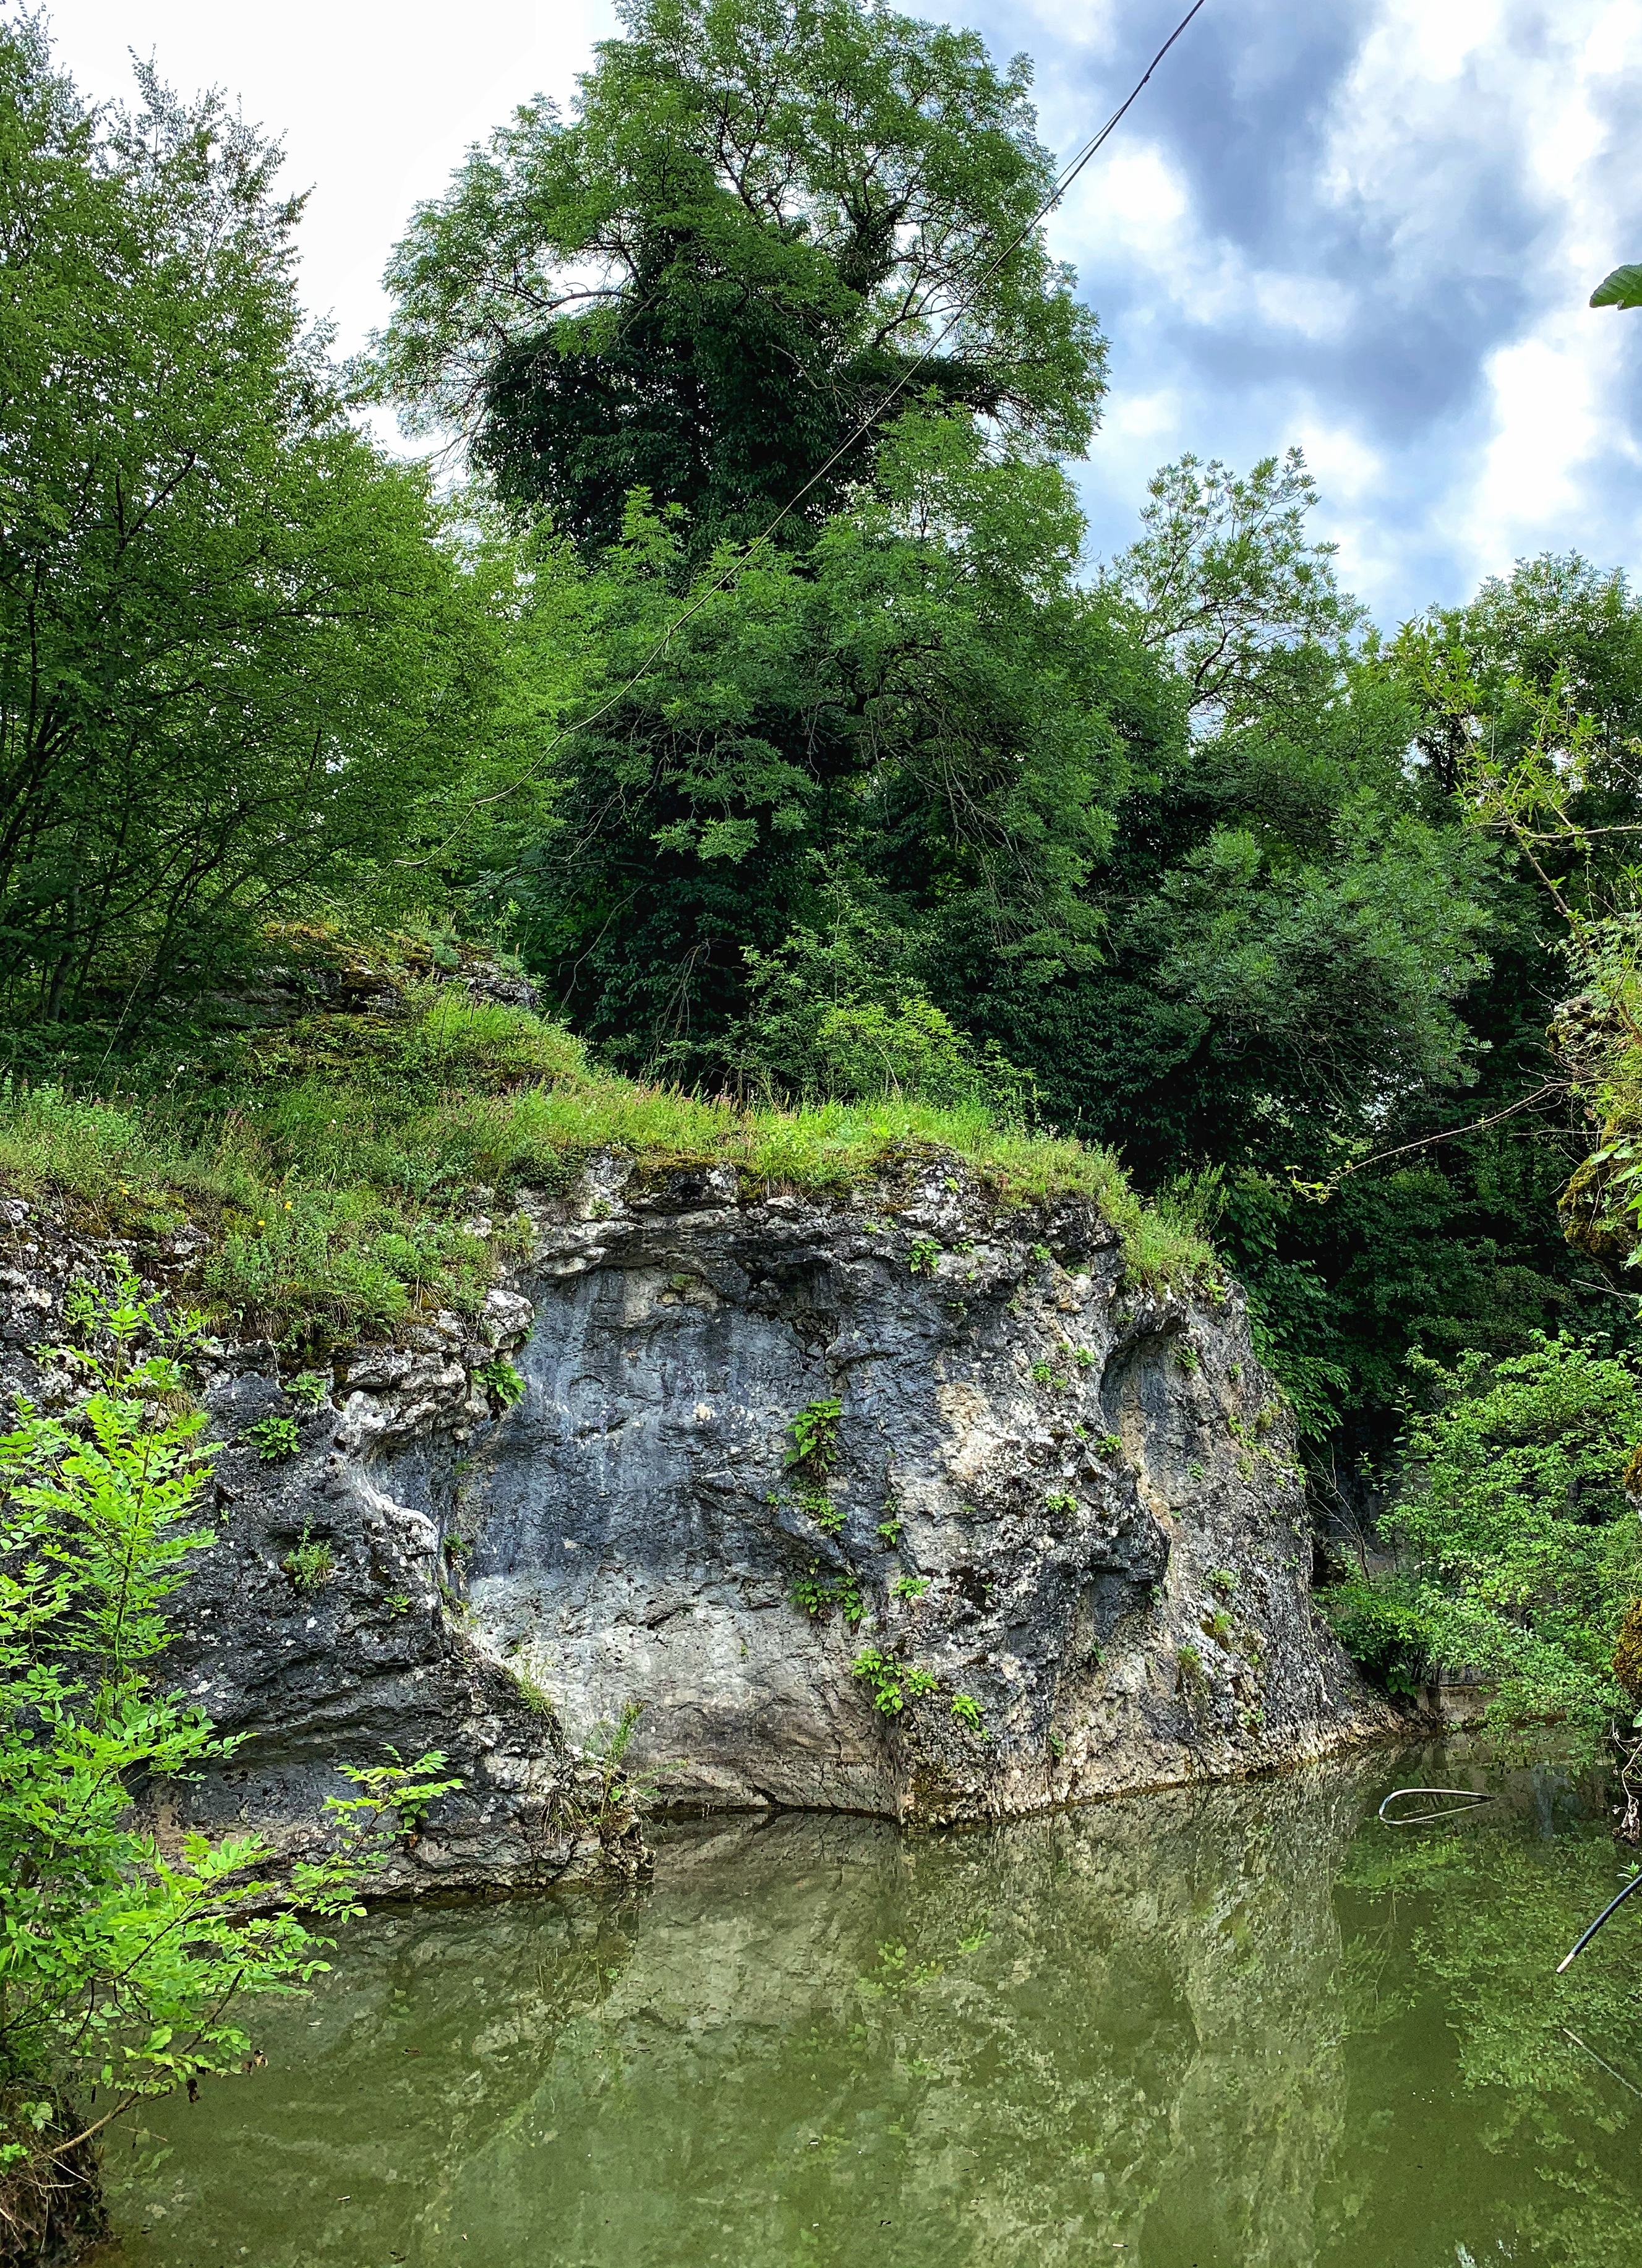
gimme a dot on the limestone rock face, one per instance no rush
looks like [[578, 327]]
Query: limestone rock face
[[1065, 1504]]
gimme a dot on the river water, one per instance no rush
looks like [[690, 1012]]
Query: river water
[[1202, 2030]]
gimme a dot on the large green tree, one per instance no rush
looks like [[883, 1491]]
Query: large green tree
[[232, 651], [762, 214]]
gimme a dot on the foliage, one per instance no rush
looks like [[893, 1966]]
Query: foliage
[[311, 1387], [310, 1563], [273, 1439], [891, 1682], [122, 1961], [806, 792], [1227, 579], [1621, 288], [817, 1594], [501, 1381], [1517, 1554], [232, 651], [814, 1433], [967, 1711], [762, 213]]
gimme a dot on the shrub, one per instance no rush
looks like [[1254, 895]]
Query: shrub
[[124, 1969], [1517, 1554]]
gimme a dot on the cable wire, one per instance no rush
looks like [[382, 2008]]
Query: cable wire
[[1063, 180]]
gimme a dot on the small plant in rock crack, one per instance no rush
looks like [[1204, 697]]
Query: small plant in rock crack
[[1040, 1252], [1084, 1358], [458, 1550], [1186, 1356], [909, 1587], [1193, 1470], [273, 1439], [1109, 1443], [892, 1684], [310, 1563], [535, 1697], [1045, 1374], [889, 1530], [1222, 1579], [398, 1602], [967, 1711], [1189, 1670], [814, 1433], [1060, 1505], [1218, 1625], [311, 1387], [817, 1594], [501, 1381], [924, 1257], [1058, 1745], [827, 1516]]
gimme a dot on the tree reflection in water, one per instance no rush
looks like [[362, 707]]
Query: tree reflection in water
[[1229, 2026]]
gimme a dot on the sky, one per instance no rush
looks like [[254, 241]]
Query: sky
[[1367, 227]]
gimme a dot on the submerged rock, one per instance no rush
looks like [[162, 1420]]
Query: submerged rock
[[1041, 1536]]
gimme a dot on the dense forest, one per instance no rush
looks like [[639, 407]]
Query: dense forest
[[731, 664]]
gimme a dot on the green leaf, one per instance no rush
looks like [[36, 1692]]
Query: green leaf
[[1621, 289]]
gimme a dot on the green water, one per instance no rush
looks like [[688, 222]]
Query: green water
[[1247, 2025]]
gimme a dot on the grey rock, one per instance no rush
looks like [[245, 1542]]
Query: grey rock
[[1070, 1502]]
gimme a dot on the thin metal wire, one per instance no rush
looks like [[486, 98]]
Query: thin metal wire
[[1472, 1797], [1613, 1906], [1062, 183]]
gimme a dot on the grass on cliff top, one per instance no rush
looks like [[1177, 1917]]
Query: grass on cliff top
[[358, 1166]]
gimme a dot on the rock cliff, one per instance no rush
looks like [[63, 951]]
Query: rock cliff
[[909, 1503]]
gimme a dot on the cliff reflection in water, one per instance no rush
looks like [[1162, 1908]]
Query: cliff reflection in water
[[1238, 2027]]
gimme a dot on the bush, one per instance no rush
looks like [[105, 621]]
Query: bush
[[125, 1967], [1517, 1553]]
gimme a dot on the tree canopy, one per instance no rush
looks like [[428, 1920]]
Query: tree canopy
[[762, 217], [231, 653]]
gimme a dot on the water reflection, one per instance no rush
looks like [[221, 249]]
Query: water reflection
[[1209, 2030]]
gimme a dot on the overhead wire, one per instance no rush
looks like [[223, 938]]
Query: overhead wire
[[722, 582]]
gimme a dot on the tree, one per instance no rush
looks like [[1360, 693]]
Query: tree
[[1517, 1554], [928, 713], [232, 651], [763, 214]]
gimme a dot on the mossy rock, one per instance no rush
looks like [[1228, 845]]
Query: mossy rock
[[1628, 1652]]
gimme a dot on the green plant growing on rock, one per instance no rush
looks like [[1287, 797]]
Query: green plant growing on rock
[[814, 1433], [924, 1257], [276, 1439], [534, 1696], [1189, 1677], [310, 1564], [820, 1594], [891, 1682], [1060, 1505], [909, 1587], [968, 1713], [311, 1387], [125, 1965], [501, 1383]]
